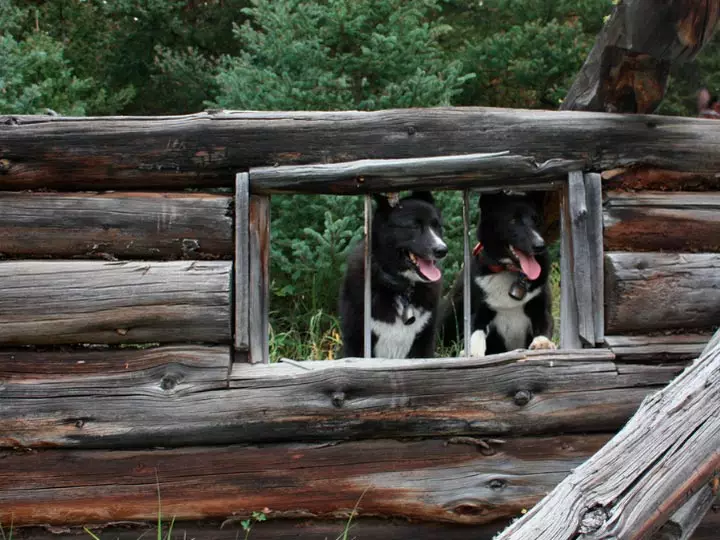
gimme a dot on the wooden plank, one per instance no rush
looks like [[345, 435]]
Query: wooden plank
[[435, 173], [259, 276], [569, 330], [467, 298], [162, 371], [669, 450], [115, 225], [655, 221], [207, 149], [684, 522], [628, 67], [306, 529], [435, 480], [581, 261], [242, 261], [644, 178], [657, 291], [57, 302], [675, 347], [593, 195], [365, 528], [349, 400]]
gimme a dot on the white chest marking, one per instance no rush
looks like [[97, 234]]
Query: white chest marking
[[395, 339], [510, 320]]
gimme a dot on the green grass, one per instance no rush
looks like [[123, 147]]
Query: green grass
[[9, 536], [320, 339]]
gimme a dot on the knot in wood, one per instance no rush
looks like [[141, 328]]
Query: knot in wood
[[411, 130], [522, 397], [496, 484], [592, 520], [338, 399], [168, 382], [469, 509], [79, 423]]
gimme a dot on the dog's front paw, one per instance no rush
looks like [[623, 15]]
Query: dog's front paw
[[542, 343]]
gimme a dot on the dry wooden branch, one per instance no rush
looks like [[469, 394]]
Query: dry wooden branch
[[669, 450]]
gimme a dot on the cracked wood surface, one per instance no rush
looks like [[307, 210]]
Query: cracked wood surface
[[430, 480], [115, 225], [669, 450], [208, 149], [656, 221], [63, 302], [531, 393], [658, 291]]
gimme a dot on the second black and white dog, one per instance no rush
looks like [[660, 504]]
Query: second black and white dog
[[510, 295], [406, 287]]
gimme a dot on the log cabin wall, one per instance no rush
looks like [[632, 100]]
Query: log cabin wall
[[121, 374]]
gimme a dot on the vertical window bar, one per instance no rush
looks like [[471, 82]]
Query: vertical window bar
[[367, 342], [466, 271]]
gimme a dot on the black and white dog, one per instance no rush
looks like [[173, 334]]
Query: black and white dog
[[510, 295], [406, 287]]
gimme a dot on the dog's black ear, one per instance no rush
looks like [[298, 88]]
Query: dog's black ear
[[383, 204], [488, 200], [423, 196]]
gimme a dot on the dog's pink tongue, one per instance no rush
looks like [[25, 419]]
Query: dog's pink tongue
[[428, 269], [529, 265]]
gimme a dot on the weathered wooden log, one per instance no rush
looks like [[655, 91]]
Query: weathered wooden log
[[162, 371], [208, 149], [674, 348], [116, 225], [436, 173], [668, 450], [441, 480], [512, 394], [652, 221], [57, 302], [259, 278], [649, 178], [241, 291], [302, 529], [365, 528], [683, 524], [658, 291], [628, 67]]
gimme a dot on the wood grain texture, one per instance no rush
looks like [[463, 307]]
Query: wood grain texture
[[657, 291], [513, 394], [435, 173], [304, 529], [582, 264], [115, 225], [161, 372], [627, 68], [208, 149], [652, 348], [435, 480], [58, 302], [656, 221], [644, 178], [241, 291], [569, 330], [669, 450], [593, 196], [259, 278], [683, 523]]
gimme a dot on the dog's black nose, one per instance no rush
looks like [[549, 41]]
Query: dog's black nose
[[440, 252]]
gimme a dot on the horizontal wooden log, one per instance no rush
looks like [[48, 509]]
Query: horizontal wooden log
[[654, 221], [207, 149], [438, 480], [303, 529], [658, 291], [58, 302], [641, 178], [278, 529], [513, 394], [116, 225], [668, 451], [162, 371], [436, 173], [674, 347]]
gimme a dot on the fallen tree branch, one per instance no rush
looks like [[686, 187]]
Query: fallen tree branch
[[666, 453]]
